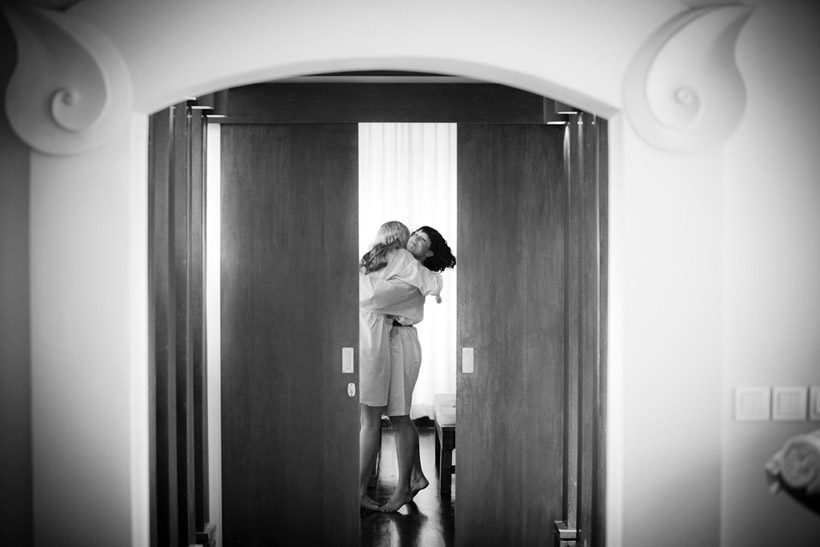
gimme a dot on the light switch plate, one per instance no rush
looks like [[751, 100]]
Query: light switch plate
[[753, 404], [789, 403], [814, 403]]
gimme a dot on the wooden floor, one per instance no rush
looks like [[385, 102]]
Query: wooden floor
[[428, 520]]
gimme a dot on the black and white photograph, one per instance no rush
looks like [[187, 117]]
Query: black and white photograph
[[394, 273]]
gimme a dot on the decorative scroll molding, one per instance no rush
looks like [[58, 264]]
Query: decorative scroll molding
[[683, 90], [71, 90]]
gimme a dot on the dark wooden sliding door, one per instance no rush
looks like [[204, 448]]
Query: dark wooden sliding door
[[585, 464], [178, 391], [511, 314], [289, 306]]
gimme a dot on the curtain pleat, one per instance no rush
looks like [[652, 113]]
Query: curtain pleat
[[407, 172]]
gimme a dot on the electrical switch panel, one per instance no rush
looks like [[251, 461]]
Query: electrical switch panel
[[789, 403], [752, 404], [814, 403]]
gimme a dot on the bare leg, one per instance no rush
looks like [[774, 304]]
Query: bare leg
[[369, 443], [407, 447], [418, 481]]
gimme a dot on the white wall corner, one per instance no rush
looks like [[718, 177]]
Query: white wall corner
[[71, 89], [683, 91]]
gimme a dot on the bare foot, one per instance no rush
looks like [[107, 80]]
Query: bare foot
[[418, 484], [396, 502], [366, 503]]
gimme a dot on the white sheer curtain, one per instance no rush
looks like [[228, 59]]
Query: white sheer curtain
[[407, 172]]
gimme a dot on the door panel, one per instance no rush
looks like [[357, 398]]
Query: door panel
[[511, 309], [289, 305], [178, 446], [587, 272]]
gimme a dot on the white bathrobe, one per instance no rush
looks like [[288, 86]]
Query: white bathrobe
[[397, 290]]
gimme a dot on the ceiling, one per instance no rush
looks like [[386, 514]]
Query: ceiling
[[59, 5]]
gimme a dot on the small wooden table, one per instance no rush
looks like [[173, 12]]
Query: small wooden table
[[445, 418]]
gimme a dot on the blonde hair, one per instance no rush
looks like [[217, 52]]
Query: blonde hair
[[392, 235]]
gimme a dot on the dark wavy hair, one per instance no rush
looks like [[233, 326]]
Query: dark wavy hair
[[442, 255]]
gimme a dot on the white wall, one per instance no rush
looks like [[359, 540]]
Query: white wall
[[713, 254], [669, 252], [81, 269], [771, 241]]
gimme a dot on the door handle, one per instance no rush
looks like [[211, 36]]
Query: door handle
[[347, 360], [467, 360]]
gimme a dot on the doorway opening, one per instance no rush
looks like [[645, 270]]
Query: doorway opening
[[536, 200], [407, 172]]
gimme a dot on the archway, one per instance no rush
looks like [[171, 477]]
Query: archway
[[583, 174]]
